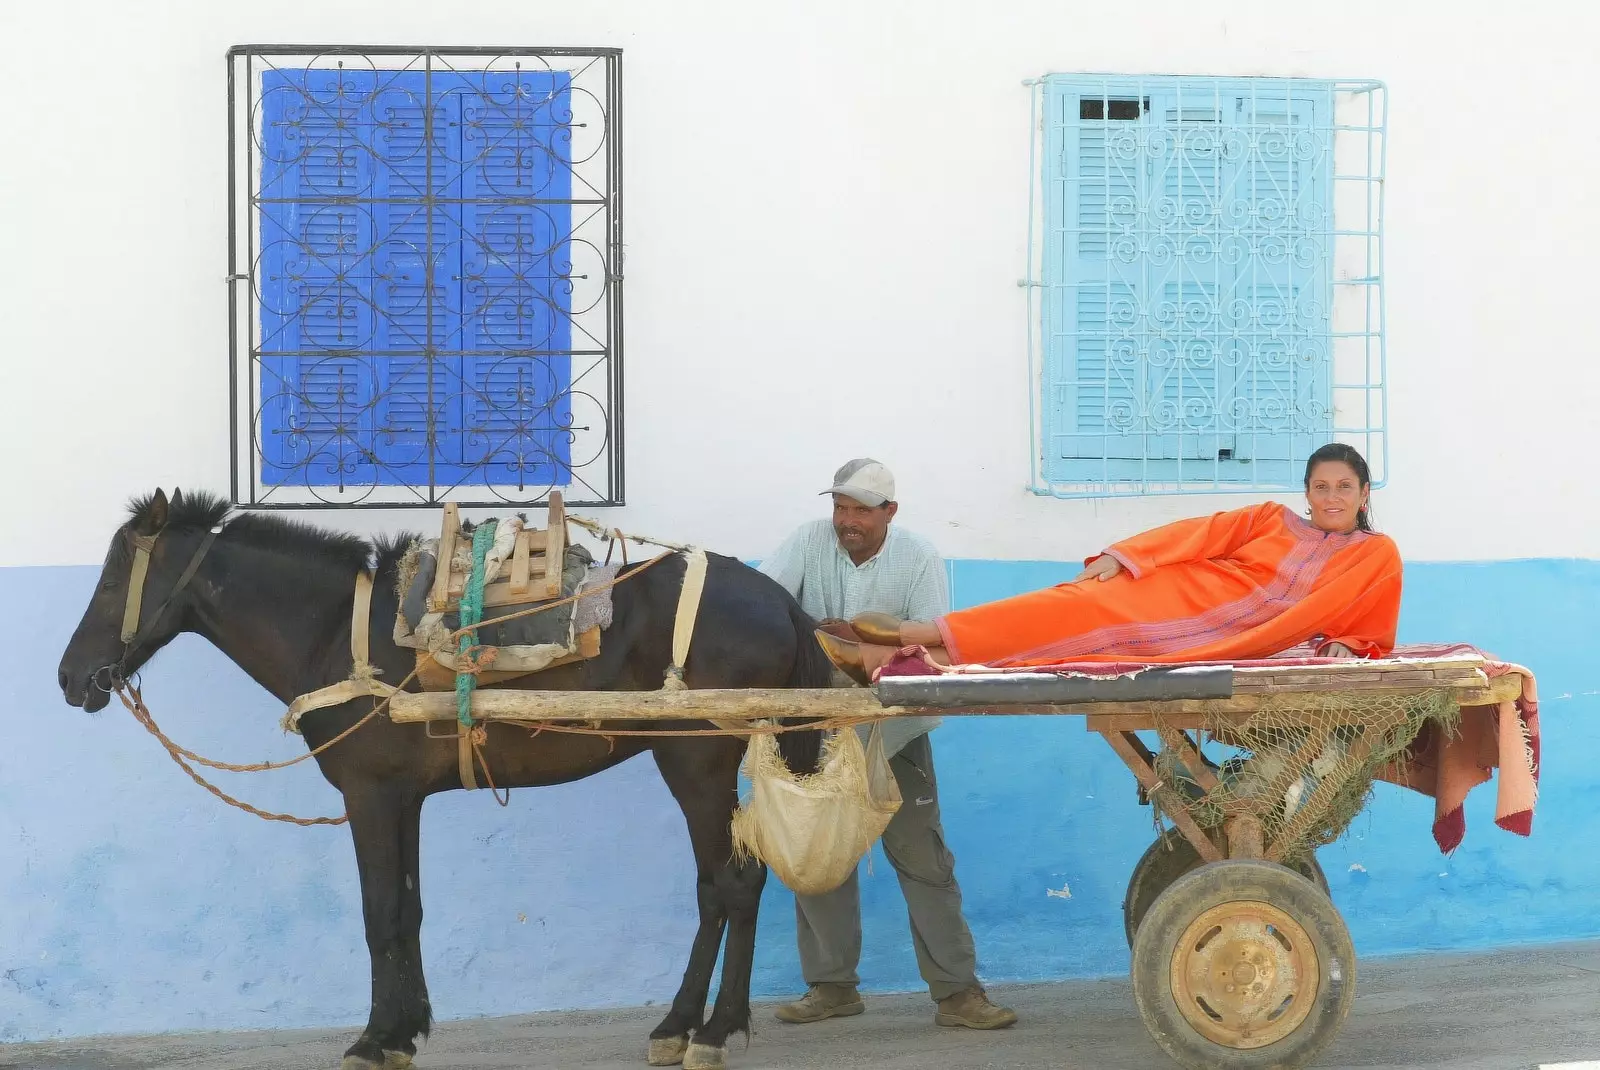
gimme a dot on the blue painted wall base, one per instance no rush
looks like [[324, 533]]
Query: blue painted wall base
[[137, 903]]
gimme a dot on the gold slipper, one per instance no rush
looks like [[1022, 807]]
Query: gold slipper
[[845, 655], [880, 628]]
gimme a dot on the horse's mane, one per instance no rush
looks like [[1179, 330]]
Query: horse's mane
[[201, 511]]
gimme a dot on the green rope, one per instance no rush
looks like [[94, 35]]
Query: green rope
[[471, 614]]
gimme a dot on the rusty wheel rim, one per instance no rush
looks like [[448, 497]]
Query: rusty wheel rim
[[1245, 974]]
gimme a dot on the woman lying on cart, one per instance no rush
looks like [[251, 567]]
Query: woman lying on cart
[[1233, 586]]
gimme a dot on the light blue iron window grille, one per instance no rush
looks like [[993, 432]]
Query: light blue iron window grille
[[1205, 284]]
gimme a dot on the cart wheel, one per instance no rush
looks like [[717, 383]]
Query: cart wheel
[[1243, 965], [1170, 857]]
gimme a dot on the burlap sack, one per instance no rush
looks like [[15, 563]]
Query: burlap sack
[[813, 830]]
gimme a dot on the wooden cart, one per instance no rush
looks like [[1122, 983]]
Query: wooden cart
[[1239, 960]]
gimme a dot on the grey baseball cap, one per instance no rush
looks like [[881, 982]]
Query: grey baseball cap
[[865, 480]]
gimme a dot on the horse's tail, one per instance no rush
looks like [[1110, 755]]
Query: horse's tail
[[802, 751], [811, 666]]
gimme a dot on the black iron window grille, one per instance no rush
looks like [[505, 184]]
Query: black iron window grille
[[425, 276]]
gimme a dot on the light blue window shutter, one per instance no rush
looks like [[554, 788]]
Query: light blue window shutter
[[1185, 279], [1280, 403], [1093, 289]]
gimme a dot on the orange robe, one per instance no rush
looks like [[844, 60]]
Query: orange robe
[[1243, 584]]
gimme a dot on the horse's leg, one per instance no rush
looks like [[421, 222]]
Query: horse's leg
[[739, 885], [707, 808], [416, 1010], [384, 825]]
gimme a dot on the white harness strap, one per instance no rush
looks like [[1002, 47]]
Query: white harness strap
[[694, 588], [689, 598], [142, 545], [361, 681], [360, 615]]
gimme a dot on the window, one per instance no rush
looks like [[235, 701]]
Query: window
[[425, 276], [1206, 287]]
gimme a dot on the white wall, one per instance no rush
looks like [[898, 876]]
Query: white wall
[[822, 263]]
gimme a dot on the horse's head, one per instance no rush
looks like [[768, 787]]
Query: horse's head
[[139, 603]]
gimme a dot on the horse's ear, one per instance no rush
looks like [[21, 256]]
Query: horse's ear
[[155, 515], [177, 498]]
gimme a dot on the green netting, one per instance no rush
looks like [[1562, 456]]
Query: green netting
[[1298, 765]]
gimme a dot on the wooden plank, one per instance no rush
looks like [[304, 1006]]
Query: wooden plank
[[439, 600], [1244, 836], [501, 593], [1173, 804], [754, 703], [1332, 681], [1387, 681], [519, 561], [1176, 739], [734, 704], [555, 553]]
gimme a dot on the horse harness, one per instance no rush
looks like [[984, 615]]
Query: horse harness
[[361, 680], [469, 738]]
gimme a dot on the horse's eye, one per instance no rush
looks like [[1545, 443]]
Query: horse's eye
[[108, 585]]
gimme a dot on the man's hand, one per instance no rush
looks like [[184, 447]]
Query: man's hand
[[1338, 650], [1101, 568]]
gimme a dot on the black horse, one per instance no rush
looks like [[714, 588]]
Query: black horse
[[276, 597]]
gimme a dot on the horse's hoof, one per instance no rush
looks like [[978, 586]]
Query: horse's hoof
[[705, 1057], [667, 1051], [392, 1060]]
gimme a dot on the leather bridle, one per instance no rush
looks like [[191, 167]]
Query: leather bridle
[[109, 677]]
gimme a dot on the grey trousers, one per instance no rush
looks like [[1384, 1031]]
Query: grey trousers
[[828, 926]]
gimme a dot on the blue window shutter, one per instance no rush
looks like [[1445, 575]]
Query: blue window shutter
[[316, 412], [419, 316], [516, 265], [370, 372]]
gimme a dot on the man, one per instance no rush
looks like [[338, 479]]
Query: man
[[857, 563]]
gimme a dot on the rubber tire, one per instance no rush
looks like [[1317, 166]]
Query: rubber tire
[[1170, 857], [1222, 882]]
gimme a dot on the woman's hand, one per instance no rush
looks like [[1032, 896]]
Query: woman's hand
[[1101, 568], [1338, 650]]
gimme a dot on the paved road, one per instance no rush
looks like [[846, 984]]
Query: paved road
[[1508, 1011]]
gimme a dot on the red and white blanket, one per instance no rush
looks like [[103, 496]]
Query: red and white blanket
[[1504, 736]]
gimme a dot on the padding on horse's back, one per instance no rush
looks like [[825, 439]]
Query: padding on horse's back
[[517, 577]]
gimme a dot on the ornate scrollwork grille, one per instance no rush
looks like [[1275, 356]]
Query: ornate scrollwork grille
[[425, 275], [1208, 281]]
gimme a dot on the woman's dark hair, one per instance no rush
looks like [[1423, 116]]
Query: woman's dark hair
[[1344, 454]]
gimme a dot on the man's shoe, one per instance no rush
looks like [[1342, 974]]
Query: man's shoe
[[880, 628], [972, 1010], [822, 1002], [845, 655]]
